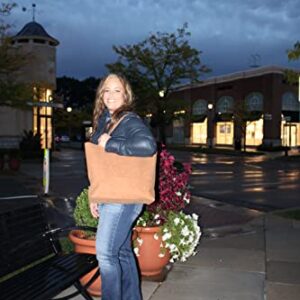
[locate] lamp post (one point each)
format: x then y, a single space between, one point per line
210 107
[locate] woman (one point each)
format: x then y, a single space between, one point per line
131 137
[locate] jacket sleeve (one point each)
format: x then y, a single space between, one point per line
137 141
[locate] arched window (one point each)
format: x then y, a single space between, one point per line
254 102
289 102
225 105
199 107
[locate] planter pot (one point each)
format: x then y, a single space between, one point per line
83 245
14 164
149 259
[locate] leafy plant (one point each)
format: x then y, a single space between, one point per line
82 213
30 145
180 232
14 154
173 192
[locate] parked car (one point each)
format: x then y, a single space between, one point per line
65 138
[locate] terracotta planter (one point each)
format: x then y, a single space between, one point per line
83 245
150 261
14 164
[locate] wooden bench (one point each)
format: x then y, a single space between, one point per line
32 265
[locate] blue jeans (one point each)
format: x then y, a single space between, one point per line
119 275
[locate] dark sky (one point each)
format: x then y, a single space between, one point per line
233 34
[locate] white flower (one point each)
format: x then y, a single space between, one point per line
176 221
136 251
185 231
140 241
178 193
156 236
172 247
156 216
166 236
195 216
157 222
186 198
161 255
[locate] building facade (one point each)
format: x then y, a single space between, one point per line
39 72
252 108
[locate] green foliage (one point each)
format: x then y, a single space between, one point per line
66 245
77 93
14 153
180 234
82 213
290 214
12 92
30 145
293 55
158 63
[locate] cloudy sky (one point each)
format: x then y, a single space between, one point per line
233 34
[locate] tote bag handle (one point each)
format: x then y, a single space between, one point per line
116 125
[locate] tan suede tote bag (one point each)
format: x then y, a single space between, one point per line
119 179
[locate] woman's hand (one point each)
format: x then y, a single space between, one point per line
94 210
103 139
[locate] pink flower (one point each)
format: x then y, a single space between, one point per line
172 185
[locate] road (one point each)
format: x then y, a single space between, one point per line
254 181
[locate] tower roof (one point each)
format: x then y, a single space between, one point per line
34 29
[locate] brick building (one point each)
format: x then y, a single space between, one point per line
257 106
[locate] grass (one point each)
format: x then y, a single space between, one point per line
290 214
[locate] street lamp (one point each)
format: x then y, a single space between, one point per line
161 93
69 109
210 107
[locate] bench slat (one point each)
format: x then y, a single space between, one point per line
45 281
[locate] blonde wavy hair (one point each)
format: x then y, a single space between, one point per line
99 106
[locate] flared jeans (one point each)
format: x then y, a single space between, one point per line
119 275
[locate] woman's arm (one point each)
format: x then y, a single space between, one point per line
137 139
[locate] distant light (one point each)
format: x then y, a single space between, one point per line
179 112
161 93
210 106
69 109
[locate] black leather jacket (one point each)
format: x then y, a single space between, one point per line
130 138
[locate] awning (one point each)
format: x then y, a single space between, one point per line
291 116
198 118
224 117
253 116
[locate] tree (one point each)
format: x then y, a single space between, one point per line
293 55
76 93
155 67
12 92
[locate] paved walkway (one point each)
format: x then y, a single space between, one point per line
261 262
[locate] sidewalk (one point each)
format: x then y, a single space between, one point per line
242 255
260 264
